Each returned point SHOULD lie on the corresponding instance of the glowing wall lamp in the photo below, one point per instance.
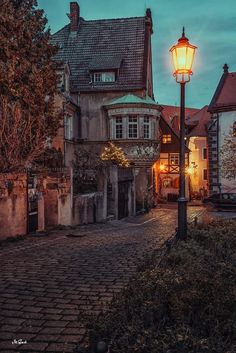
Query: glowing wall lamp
(182, 57)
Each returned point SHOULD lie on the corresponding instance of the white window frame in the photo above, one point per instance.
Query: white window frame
(146, 125)
(68, 127)
(132, 123)
(175, 157)
(108, 76)
(118, 127)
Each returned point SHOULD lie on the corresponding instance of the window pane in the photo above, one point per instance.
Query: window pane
(104, 76)
(118, 127)
(109, 77)
(174, 159)
(133, 127)
(97, 77)
(204, 153)
(146, 127)
(166, 139)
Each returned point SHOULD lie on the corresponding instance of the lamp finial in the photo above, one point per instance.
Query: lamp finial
(183, 34)
(226, 68)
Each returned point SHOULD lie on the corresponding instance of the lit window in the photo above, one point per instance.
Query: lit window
(68, 126)
(133, 127)
(119, 128)
(166, 138)
(204, 174)
(146, 127)
(104, 77)
(204, 153)
(174, 159)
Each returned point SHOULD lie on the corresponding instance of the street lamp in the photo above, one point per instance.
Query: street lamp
(182, 56)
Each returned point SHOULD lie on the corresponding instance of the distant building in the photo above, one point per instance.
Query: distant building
(166, 169)
(223, 118)
(197, 126)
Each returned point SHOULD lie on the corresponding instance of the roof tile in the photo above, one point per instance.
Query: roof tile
(104, 42)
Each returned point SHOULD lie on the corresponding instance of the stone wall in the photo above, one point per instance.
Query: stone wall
(13, 205)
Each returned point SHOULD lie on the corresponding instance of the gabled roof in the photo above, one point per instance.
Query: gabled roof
(198, 123)
(224, 98)
(117, 43)
(170, 112)
(132, 99)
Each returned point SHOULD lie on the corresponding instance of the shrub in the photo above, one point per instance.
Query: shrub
(181, 302)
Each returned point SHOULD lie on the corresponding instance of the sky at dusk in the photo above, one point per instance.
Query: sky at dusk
(209, 24)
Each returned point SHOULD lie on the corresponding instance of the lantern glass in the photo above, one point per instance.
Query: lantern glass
(182, 57)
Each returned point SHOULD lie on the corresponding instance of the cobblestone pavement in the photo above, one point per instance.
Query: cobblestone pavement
(47, 282)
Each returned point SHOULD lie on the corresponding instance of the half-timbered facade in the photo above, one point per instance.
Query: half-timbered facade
(166, 169)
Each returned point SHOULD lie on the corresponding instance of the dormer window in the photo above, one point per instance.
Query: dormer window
(108, 76)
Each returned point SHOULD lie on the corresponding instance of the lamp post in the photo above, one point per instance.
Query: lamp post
(182, 56)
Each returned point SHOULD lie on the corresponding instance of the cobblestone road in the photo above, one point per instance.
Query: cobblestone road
(47, 282)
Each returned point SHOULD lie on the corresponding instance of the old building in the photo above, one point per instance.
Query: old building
(166, 169)
(223, 120)
(197, 126)
(110, 65)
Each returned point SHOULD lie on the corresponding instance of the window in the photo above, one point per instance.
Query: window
(146, 127)
(133, 126)
(119, 128)
(234, 129)
(204, 174)
(166, 138)
(174, 159)
(68, 126)
(204, 153)
(104, 76)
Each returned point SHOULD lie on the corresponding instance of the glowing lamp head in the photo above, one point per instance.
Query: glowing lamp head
(182, 56)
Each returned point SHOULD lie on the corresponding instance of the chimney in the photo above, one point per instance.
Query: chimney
(74, 16)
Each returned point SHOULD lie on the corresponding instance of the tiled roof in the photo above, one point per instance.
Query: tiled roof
(105, 63)
(225, 94)
(104, 42)
(170, 112)
(199, 122)
(224, 98)
(132, 99)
